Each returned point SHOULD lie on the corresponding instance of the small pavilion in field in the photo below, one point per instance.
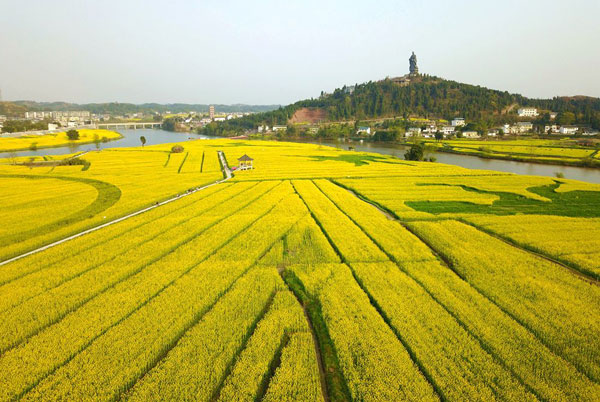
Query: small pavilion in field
(245, 162)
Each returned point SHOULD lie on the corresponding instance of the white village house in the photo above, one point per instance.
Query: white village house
(471, 134)
(363, 129)
(568, 130)
(447, 130)
(527, 112)
(458, 122)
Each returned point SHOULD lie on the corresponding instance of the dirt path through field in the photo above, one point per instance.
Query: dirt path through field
(226, 171)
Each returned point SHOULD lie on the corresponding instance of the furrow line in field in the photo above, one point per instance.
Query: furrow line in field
(587, 276)
(150, 237)
(417, 363)
(147, 301)
(521, 322)
(480, 341)
(91, 297)
(226, 173)
(104, 240)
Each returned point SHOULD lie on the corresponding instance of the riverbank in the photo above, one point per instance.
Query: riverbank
(56, 140)
(128, 138)
(470, 160)
(540, 151)
(558, 162)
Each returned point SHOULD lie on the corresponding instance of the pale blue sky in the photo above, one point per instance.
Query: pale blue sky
(259, 52)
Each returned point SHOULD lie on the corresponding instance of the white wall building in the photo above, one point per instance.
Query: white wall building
(527, 112)
(279, 128)
(415, 130)
(430, 129)
(458, 122)
(447, 130)
(568, 130)
(366, 130)
(471, 134)
(554, 128)
(524, 126)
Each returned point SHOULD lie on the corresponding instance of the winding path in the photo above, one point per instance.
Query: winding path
(226, 172)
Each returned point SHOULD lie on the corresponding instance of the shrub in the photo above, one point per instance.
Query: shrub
(415, 153)
(73, 135)
(177, 149)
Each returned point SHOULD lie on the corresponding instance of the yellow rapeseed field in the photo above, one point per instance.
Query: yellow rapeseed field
(320, 274)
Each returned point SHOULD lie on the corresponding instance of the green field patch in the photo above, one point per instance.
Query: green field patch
(358, 160)
(108, 195)
(572, 203)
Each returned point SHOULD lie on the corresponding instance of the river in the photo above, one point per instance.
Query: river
(131, 138)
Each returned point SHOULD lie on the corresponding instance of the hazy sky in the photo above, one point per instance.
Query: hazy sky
(269, 52)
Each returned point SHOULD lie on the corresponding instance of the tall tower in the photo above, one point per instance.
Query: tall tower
(211, 112)
(413, 69)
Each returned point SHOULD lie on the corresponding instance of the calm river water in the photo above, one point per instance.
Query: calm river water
(131, 138)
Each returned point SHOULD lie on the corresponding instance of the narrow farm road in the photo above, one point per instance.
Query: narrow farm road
(226, 172)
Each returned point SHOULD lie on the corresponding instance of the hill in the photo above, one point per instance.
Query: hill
(11, 109)
(425, 96)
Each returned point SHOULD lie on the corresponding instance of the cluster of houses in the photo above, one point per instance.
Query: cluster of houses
(273, 129)
(72, 118)
(83, 117)
(431, 128)
(521, 127)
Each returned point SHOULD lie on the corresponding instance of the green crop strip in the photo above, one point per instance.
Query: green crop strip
(572, 203)
(108, 195)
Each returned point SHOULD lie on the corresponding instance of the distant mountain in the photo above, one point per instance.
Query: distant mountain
(11, 109)
(423, 96)
(122, 108)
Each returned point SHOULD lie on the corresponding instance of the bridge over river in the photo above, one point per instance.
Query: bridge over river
(129, 125)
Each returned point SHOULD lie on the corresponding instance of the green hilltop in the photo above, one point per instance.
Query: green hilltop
(425, 96)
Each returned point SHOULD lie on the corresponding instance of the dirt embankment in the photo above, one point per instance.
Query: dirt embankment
(309, 115)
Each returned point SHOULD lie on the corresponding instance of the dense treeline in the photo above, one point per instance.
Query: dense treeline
(16, 126)
(20, 107)
(426, 96)
(433, 97)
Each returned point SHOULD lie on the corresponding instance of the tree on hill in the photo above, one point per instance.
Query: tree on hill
(565, 118)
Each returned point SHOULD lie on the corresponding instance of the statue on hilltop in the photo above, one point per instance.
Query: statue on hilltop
(413, 70)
